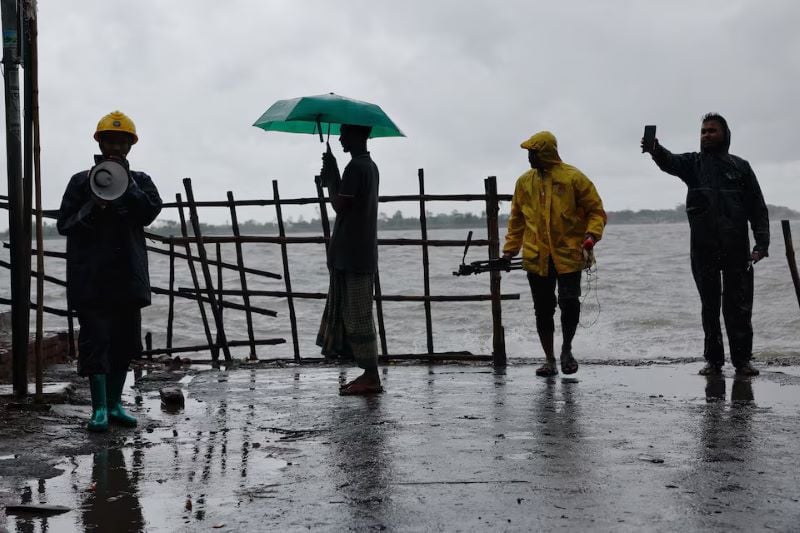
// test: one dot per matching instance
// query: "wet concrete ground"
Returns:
(448, 447)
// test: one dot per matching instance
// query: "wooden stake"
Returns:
(492, 210)
(426, 276)
(787, 239)
(286, 275)
(242, 276)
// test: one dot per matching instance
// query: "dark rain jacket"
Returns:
(106, 254)
(723, 196)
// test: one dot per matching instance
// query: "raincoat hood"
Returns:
(546, 147)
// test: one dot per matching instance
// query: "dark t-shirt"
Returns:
(354, 244)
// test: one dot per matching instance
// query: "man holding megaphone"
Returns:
(103, 215)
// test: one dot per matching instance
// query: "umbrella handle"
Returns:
(319, 129)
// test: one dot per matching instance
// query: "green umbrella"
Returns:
(326, 113)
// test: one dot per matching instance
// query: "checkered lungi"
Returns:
(347, 330)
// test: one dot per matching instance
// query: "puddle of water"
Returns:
(681, 382)
(167, 478)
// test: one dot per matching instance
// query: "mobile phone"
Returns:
(649, 138)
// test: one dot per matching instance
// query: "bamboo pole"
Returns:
(45, 308)
(191, 295)
(426, 275)
(286, 275)
(379, 309)
(242, 276)
(787, 239)
(38, 274)
(70, 331)
(171, 310)
(230, 266)
(61, 255)
(220, 300)
(18, 218)
(196, 283)
(378, 297)
(201, 252)
(323, 213)
(263, 239)
(492, 210)
(381, 199)
(33, 67)
(206, 347)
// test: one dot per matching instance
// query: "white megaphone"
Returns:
(108, 180)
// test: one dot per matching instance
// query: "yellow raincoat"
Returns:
(552, 211)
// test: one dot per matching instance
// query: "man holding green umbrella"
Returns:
(347, 328)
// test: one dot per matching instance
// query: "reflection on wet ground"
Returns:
(445, 448)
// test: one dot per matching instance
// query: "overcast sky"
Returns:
(466, 81)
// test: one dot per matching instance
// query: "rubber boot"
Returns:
(116, 413)
(549, 368)
(99, 421)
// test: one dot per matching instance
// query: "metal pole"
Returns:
(20, 312)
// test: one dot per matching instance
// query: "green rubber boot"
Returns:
(116, 413)
(99, 421)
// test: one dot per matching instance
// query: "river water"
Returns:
(641, 303)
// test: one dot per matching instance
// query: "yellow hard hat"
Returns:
(116, 121)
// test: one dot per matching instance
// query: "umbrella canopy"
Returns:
(325, 113)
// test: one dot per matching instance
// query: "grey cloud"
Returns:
(467, 81)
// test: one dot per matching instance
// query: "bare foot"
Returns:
(366, 379)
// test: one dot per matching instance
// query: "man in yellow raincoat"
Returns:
(556, 215)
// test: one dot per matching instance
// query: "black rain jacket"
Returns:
(723, 196)
(106, 253)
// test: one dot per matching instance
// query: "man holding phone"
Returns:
(723, 196)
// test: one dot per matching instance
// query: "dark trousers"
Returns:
(543, 290)
(732, 287)
(108, 339)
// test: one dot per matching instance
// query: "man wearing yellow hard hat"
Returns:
(556, 215)
(103, 214)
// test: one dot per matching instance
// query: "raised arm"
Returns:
(680, 165)
(330, 178)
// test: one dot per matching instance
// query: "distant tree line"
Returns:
(454, 219)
